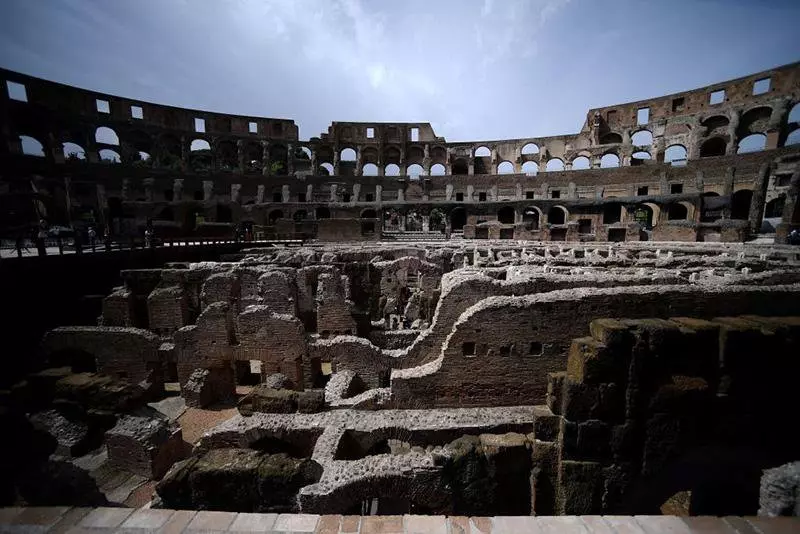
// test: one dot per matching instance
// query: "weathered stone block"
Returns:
(145, 446)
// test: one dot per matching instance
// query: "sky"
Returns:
(475, 69)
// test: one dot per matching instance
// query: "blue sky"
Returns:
(475, 69)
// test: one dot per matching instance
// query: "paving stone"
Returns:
(296, 523)
(658, 524)
(458, 524)
(177, 522)
(329, 524)
(382, 524)
(7, 515)
(148, 518)
(565, 524)
(71, 518)
(481, 525)
(708, 525)
(105, 517)
(43, 515)
(206, 520)
(514, 525)
(775, 525)
(596, 525)
(623, 524)
(245, 522)
(350, 523)
(424, 524)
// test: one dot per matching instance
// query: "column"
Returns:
(733, 144)
(240, 155)
(290, 159)
(359, 163)
(336, 161)
(756, 215)
(265, 163)
(184, 153)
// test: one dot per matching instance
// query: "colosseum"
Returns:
(595, 329)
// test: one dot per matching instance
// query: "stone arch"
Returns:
(609, 160)
(754, 120)
(458, 218)
(31, 146)
(482, 151)
(438, 154)
(752, 143)
(774, 208)
(716, 123)
(675, 155)
(531, 168)
(677, 211)
(740, 204)
(370, 169)
(438, 169)
(642, 138)
(646, 214)
(638, 158)
(278, 158)
(109, 156)
(73, 151)
(391, 154)
(581, 163)
(793, 138)
(325, 169)
(530, 148)
(106, 136)
(610, 139)
(506, 215)
(415, 154)
(794, 114)
(531, 217)
(415, 170)
(713, 147)
(505, 167)
(227, 155)
(460, 167)
(347, 154)
(392, 169)
(558, 215)
(555, 164)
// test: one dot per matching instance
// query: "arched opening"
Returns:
(300, 215)
(109, 156)
(274, 215)
(325, 169)
(74, 152)
(530, 148)
(368, 218)
(254, 158)
(642, 138)
(460, 167)
(752, 143)
(106, 136)
(793, 138)
(609, 161)
(531, 168)
(370, 169)
(555, 164)
(774, 208)
(557, 215)
(348, 154)
(79, 360)
(505, 215)
(675, 155)
(612, 213)
(482, 151)
(643, 215)
(302, 152)
(610, 139)
(794, 114)
(438, 170)
(505, 167)
(278, 160)
(322, 213)
(740, 204)
(712, 207)
(712, 147)
(530, 217)
(415, 171)
(392, 170)
(227, 156)
(639, 158)
(458, 218)
(581, 163)
(717, 123)
(677, 212)
(31, 146)
(200, 155)
(754, 121)
(144, 156)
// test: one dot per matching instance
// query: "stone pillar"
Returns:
(470, 192)
(336, 162)
(314, 163)
(148, 188)
(334, 191)
(260, 194)
(285, 193)
(379, 193)
(309, 193)
(290, 159)
(733, 143)
(185, 153)
(265, 163)
(240, 155)
(471, 169)
(208, 190)
(177, 189)
(401, 197)
(426, 223)
(356, 193)
(756, 215)
(235, 193)
(54, 148)
(776, 119)
(359, 163)
(125, 187)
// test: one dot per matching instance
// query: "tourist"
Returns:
(92, 237)
(794, 237)
(41, 235)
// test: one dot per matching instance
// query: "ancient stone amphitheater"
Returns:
(448, 336)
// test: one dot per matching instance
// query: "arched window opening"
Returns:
(642, 138)
(106, 136)
(505, 167)
(609, 161)
(458, 218)
(530, 148)
(460, 167)
(415, 171)
(274, 215)
(325, 169)
(200, 155)
(774, 208)
(555, 164)
(438, 170)
(199, 144)
(370, 169)
(644, 216)
(581, 163)
(677, 212)
(73, 152)
(482, 151)
(144, 156)
(612, 213)
(531, 168)
(713, 147)
(322, 213)
(717, 122)
(253, 157)
(227, 156)
(755, 120)
(610, 139)
(506, 215)
(278, 159)
(675, 155)
(392, 170)
(794, 114)
(557, 215)
(740, 204)
(303, 152)
(109, 156)
(348, 154)
(31, 146)
(793, 138)
(752, 143)
(639, 158)
(530, 217)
